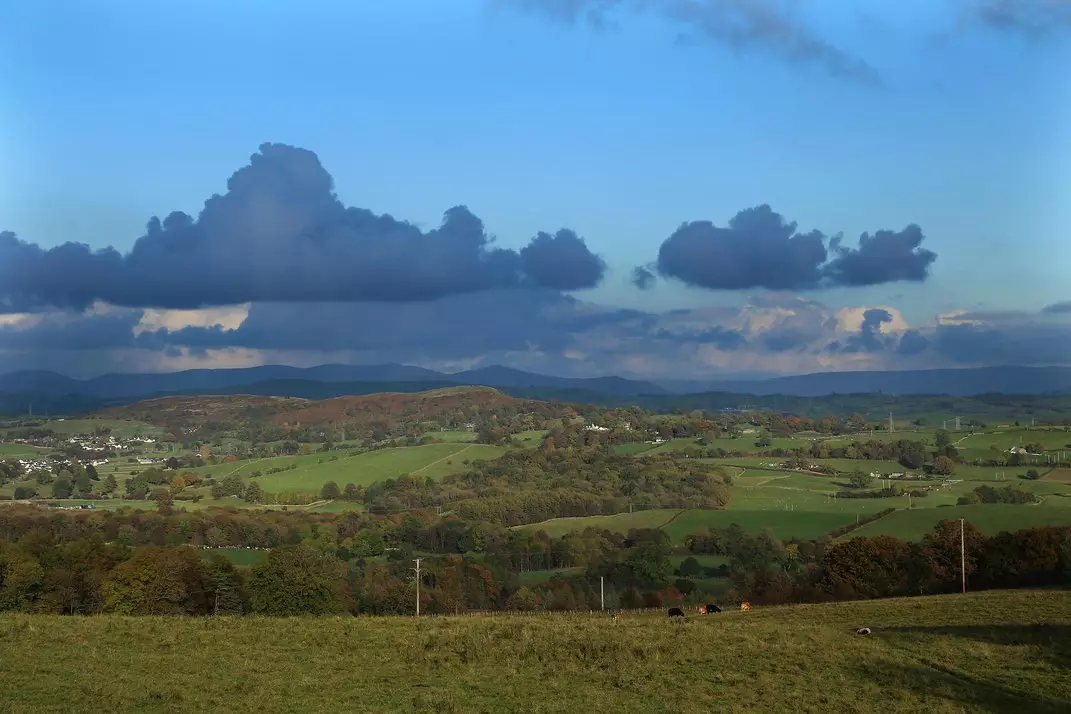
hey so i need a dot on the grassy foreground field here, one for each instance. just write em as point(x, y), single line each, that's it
point(999, 651)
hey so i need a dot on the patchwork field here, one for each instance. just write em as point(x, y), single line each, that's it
point(314, 470)
point(996, 651)
point(806, 506)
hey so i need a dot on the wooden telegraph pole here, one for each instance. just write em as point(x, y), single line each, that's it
point(417, 561)
point(962, 558)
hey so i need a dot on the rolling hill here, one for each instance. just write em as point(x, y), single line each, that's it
point(1000, 651)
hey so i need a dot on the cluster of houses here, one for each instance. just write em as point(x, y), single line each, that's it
point(90, 443)
point(627, 426)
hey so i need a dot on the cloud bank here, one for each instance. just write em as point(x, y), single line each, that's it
point(769, 333)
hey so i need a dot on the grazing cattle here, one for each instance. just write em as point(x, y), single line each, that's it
point(745, 605)
point(711, 608)
point(676, 612)
point(863, 631)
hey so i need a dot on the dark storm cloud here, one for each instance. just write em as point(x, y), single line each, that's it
point(1032, 18)
point(72, 331)
point(561, 261)
point(721, 337)
point(869, 337)
point(761, 249)
point(1059, 308)
point(912, 342)
point(279, 234)
point(758, 249)
point(1027, 344)
point(884, 257)
point(642, 277)
point(456, 326)
point(743, 26)
point(784, 339)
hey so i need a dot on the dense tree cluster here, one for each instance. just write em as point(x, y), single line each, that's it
point(531, 486)
point(152, 563)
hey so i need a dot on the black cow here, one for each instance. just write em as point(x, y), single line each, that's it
point(711, 608)
point(676, 612)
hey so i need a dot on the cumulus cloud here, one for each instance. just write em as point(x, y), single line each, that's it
point(280, 234)
point(870, 338)
point(884, 257)
point(912, 342)
point(561, 261)
point(743, 26)
point(761, 249)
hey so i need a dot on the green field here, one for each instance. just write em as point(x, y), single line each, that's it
point(21, 451)
point(119, 427)
point(997, 652)
point(314, 470)
point(989, 518)
point(620, 523)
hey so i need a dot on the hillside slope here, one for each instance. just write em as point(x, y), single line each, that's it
point(183, 412)
point(998, 651)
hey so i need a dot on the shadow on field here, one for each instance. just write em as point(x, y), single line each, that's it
point(978, 693)
point(1052, 641)
point(971, 693)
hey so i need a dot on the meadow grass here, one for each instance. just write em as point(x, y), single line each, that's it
point(806, 525)
point(990, 519)
point(314, 470)
point(119, 427)
point(531, 439)
point(452, 436)
point(1001, 651)
point(619, 523)
point(22, 451)
point(1062, 475)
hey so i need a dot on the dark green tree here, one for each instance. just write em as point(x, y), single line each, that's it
point(297, 580)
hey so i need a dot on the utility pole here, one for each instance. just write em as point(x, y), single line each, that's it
point(962, 558)
point(417, 561)
point(602, 594)
point(891, 427)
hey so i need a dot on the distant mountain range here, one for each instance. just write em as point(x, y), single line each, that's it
point(49, 390)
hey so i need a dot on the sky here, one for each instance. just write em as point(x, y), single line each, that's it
point(652, 188)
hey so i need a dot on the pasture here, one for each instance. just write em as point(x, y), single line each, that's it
point(990, 519)
point(21, 451)
point(1001, 651)
point(314, 470)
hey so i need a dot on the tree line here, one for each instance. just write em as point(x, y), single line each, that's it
point(154, 563)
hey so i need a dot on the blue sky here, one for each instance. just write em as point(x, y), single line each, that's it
point(119, 111)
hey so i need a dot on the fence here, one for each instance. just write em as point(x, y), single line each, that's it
point(550, 613)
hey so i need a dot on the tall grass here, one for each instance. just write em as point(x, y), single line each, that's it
point(1003, 651)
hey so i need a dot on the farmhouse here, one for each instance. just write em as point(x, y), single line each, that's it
point(593, 427)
